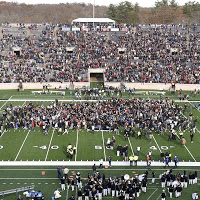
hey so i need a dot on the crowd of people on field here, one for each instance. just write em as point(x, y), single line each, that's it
point(141, 54)
point(139, 117)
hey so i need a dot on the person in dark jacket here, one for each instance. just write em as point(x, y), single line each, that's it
point(163, 195)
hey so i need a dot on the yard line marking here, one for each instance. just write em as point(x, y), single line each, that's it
point(131, 146)
point(3, 133)
point(187, 149)
point(104, 146)
point(49, 145)
point(22, 145)
point(197, 116)
point(157, 144)
point(189, 122)
point(76, 145)
point(151, 193)
point(23, 103)
point(76, 193)
point(3, 105)
point(158, 197)
point(67, 195)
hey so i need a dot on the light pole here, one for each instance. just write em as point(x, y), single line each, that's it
point(93, 12)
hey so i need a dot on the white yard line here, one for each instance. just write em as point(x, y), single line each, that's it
point(103, 146)
point(4, 96)
point(151, 193)
point(159, 197)
point(157, 144)
point(5, 102)
point(67, 195)
point(22, 145)
point(23, 103)
point(49, 145)
point(187, 149)
point(76, 145)
point(131, 146)
point(3, 105)
point(193, 106)
point(76, 193)
point(3, 133)
point(190, 122)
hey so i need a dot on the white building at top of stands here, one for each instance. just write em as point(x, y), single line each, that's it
point(93, 21)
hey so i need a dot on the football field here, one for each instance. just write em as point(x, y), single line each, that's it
point(28, 145)
point(40, 153)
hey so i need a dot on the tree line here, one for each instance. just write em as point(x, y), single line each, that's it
point(163, 12)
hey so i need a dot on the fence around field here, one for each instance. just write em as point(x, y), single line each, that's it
point(145, 86)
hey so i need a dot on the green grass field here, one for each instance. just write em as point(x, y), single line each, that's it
point(26, 145)
point(16, 177)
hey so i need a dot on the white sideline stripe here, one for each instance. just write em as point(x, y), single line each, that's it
point(151, 193)
point(90, 163)
point(187, 149)
point(22, 145)
point(98, 169)
point(47, 100)
point(76, 145)
point(49, 145)
point(157, 144)
point(104, 146)
point(131, 146)
point(66, 100)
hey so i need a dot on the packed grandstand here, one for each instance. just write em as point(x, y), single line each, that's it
point(149, 53)
point(43, 53)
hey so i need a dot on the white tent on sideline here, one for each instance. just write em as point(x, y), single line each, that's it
point(93, 20)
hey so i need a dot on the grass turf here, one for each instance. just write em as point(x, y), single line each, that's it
point(16, 177)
